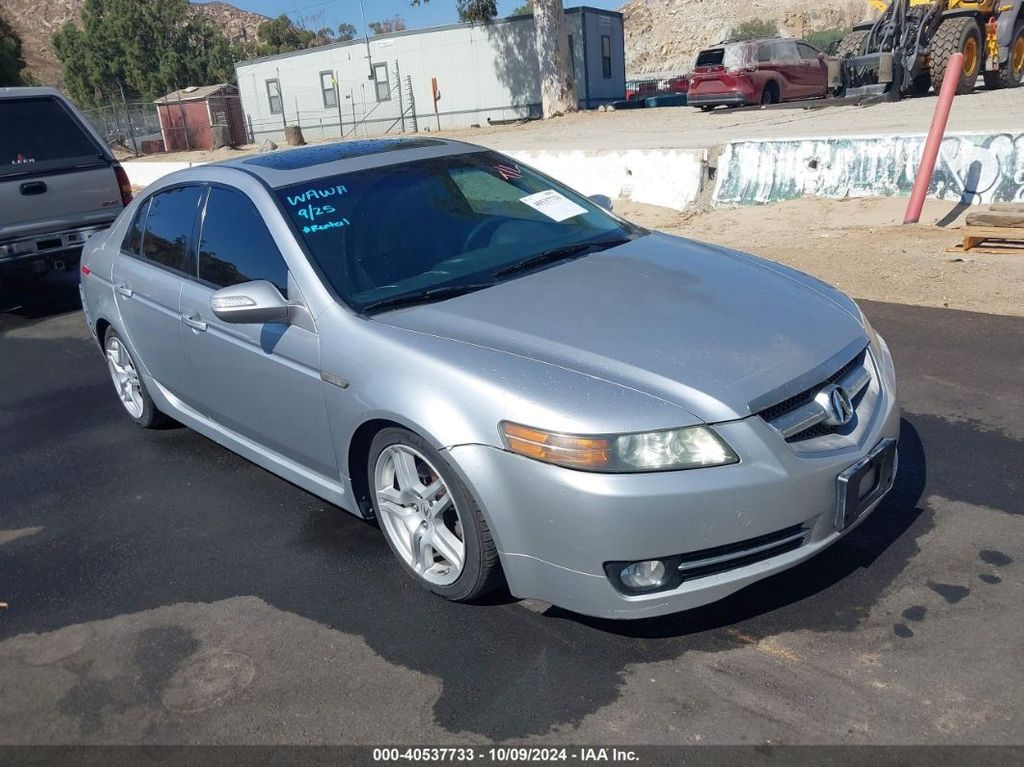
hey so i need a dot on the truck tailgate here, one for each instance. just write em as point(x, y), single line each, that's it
point(31, 203)
point(54, 172)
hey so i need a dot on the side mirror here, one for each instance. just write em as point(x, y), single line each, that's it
point(253, 302)
point(602, 200)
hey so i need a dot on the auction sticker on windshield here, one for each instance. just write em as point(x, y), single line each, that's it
point(552, 204)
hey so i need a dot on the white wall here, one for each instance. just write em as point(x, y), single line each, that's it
point(482, 71)
point(665, 177)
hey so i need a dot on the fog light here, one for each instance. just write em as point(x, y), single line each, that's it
point(643, 575)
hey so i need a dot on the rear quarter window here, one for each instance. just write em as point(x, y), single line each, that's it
point(40, 134)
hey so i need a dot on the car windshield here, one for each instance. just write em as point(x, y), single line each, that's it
point(430, 229)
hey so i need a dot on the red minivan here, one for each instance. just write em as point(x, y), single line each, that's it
point(764, 71)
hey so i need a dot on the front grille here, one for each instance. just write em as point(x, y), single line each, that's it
point(801, 418)
point(792, 403)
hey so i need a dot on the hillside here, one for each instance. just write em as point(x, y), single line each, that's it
point(664, 36)
point(37, 20)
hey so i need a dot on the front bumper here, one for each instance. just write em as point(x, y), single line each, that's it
point(555, 528)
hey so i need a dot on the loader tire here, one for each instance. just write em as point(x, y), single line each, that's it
point(1010, 74)
point(956, 35)
point(852, 44)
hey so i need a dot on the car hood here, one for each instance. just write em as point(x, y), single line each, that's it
point(703, 327)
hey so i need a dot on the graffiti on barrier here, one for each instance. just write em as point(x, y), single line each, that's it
point(971, 168)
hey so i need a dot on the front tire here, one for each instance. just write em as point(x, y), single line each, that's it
point(128, 383)
point(956, 35)
point(429, 519)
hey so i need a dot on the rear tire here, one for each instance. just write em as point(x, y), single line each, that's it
point(769, 94)
point(956, 35)
point(131, 390)
point(1010, 74)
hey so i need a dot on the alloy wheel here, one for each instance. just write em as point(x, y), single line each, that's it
point(419, 515)
point(124, 375)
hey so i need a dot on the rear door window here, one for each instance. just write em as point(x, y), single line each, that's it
point(785, 51)
point(168, 235)
point(41, 134)
point(236, 246)
point(807, 52)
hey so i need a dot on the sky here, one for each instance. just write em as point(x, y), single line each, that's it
point(429, 14)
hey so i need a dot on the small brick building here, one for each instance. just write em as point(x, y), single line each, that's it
point(203, 117)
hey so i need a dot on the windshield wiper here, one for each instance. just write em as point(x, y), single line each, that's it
point(557, 254)
point(426, 296)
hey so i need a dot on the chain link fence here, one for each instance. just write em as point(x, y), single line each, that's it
point(357, 109)
point(127, 124)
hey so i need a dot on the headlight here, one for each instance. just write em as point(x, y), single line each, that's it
point(666, 450)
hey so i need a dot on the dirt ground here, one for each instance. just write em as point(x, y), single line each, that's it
point(860, 246)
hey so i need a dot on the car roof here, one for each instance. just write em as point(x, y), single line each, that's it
point(293, 166)
point(21, 92)
point(753, 41)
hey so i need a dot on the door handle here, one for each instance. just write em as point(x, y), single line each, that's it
point(193, 321)
point(123, 289)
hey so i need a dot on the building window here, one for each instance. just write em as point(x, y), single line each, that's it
point(380, 79)
point(329, 90)
point(274, 94)
point(606, 57)
point(572, 57)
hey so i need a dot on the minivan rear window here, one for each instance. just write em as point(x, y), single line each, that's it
point(712, 57)
point(727, 56)
point(40, 134)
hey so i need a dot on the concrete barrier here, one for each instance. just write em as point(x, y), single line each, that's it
point(972, 167)
point(669, 178)
point(666, 177)
point(144, 173)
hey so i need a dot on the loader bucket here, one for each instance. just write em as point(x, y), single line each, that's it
point(868, 75)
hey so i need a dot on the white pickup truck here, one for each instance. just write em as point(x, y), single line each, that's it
point(59, 183)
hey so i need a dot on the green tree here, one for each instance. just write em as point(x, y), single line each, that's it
point(480, 11)
point(346, 32)
point(11, 60)
point(395, 24)
point(828, 39)
point(145, 47)
point(749, 30)
point(281, 36)
point(523, 10)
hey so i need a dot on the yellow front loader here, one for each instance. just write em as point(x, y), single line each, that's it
point(906, 50)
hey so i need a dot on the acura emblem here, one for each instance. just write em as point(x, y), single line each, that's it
point(840, 408)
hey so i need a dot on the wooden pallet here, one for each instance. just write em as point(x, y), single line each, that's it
point(991, 239)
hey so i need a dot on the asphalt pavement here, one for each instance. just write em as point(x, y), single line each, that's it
point(161, 589)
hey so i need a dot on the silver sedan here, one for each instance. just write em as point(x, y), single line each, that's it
point(515, 383)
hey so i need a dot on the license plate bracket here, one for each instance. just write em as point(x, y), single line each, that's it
point(852, 499)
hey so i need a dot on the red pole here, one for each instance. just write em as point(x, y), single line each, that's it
point(931, 146)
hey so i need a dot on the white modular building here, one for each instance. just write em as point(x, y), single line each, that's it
point(479, 73)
